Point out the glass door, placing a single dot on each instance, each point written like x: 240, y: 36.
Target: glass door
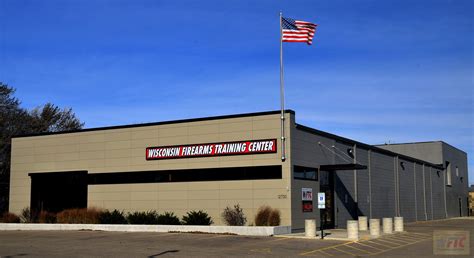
x: 327, y: 186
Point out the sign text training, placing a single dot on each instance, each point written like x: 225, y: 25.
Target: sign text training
x: 211, y: 149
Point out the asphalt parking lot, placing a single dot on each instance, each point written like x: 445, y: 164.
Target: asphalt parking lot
x: 417, y: 241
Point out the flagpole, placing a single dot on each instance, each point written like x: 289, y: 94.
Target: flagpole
x: 282, y: 95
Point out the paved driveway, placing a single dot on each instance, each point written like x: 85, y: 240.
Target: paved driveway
x: 416, y: 241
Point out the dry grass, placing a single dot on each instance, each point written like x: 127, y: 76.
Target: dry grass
x: 79, y: 216
x: 9, y: 217
x: 275, y: 218
x: 267, y: 216
x: 46, y: 217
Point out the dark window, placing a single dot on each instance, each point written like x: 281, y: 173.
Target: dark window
x: 57, y: 191
x: 187, y: 175
x: 305, y: 173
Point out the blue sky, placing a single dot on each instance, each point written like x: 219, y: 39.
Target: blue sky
x: 379, y: 71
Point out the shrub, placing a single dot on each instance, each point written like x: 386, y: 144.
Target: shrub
x: 46, y: 217
x: 234, y: 216
x: 79, y: 216
x: 197, y: 218
x: 263, y: 213
x: 168, y: 218
x: 274, y: 219
x: 114, y: 217
x: 26, y: 216
x: 142, y: 217
x: 9, y: 217
x: 267, y: 216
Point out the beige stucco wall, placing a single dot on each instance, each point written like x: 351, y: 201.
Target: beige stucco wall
x: 122, y: 150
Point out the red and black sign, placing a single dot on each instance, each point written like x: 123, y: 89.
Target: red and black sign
x: 212, y: 149
x: 307, y: 206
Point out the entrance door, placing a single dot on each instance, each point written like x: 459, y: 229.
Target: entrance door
x: 460, y: 207
x: 327, y: 186
x: 58, y: 191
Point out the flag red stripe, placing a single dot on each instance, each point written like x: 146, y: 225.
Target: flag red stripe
x: 304, y: 22
x: 295, y: 37
x: 298, y: 34
x: 304, y: 32
x: 299, y: 41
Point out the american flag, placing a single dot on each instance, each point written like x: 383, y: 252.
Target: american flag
x: 297, y: 31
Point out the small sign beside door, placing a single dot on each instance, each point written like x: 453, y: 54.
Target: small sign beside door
x: 307, y: 194
x: 307, y: 198
x: 307, y: 206
x: 321, y: 200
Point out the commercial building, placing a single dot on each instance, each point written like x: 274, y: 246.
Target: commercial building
x: 471, y: 200
x: 214, y: 162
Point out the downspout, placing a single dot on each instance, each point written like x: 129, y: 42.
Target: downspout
x: 444, y: 187
x: 395, y: 174
x: 416, y: 201
x: 424, y: 192
x: 355, y: 182
x: 431, y: 194
x: 370, y: 184
x: 398, y: 186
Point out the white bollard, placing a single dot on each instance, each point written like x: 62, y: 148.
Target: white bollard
x: 387, y: 225
x: 353, y: 229
x: 375, y: 227
x: 398, y: 224
x: 310, y: 227
x: 362, y: 223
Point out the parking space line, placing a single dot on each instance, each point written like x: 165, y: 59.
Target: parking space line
x: 324, y: 248
x: 375, y: 246
x: 342, y: 251
x: 398, y: 240
x: 423, y: 234
x: 371, y: 241
x: 325, y: 253
x: 388, y: 242
x: 414, y: 237
x: 359, y: 243
x: 398, y: 247
x: 359, y: 249
x: 408, y: 237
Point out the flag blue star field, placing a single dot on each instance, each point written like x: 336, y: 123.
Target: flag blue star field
x: 297, y: 31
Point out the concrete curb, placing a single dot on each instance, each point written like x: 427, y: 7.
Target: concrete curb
x: 238, y: 230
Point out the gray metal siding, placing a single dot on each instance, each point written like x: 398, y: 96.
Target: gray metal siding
x: 437, y: 178
x: 363, y: 198
x: 428, y: 192
x: 419, y: 192
x: 438, y: 153
x: 305, y: 151
x: 344, y: 187
x: 407, y: 190
x: 459, y: 184
x: 298, y: 217
x: 428, y: 151
x: 383, y: 186
x: 345, y: 203
x: 419, y: 195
